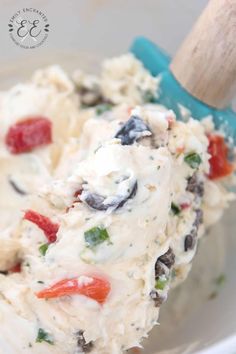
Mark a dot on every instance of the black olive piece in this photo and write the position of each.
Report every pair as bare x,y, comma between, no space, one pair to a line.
194,186
91,97
16,188
158,300
131,195
168,258
193,232
189,243
86,347
132,130
199,218
159,270
3,272
96,201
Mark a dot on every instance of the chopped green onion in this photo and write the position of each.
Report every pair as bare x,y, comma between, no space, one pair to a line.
161,283
96,236
43,249
101,108
43,336
193,160
220,280
175,209
213,295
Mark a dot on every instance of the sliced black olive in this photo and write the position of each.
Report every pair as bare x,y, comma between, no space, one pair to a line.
131,195
158,300
191,238
16,188
159,270
97,202
168,258
132,130
199,218
195,186
90,97
85,347
189,242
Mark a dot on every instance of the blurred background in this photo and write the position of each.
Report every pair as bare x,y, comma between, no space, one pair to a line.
91,24
88,28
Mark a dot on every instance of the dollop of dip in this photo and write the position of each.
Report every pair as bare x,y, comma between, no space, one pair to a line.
104,197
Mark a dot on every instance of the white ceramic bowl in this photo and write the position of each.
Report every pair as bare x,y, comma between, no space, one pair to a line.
81,33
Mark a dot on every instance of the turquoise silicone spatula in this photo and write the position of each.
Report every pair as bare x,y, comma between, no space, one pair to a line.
202,75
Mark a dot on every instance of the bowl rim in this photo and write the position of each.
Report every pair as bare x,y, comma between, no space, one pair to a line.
227,345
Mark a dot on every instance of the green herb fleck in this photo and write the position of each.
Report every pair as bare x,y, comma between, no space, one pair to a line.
40,282
101,108
213,295
84,106
175,209
161,283
148,96
173,274
193,160
43,336
96,236
43,249
220,280
30,345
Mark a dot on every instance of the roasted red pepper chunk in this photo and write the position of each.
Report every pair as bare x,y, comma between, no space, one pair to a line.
95,288
49,228
15,269
28,134
77,194
219,163
170,121
184,206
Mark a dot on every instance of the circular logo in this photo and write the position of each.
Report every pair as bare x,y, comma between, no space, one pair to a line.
28,28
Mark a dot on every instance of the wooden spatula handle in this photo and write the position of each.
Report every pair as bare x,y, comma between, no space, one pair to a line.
205,64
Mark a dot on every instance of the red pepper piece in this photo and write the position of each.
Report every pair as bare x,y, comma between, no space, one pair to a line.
16,268
184,206
28,134
97,289
77,194
219,164
49,228
129,110
170,121
135,350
